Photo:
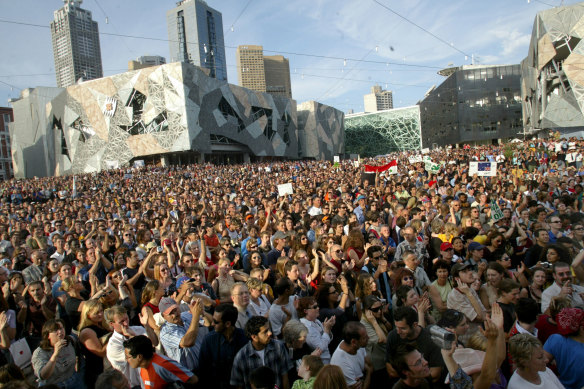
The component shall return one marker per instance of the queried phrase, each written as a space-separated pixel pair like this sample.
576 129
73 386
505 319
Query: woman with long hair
378 328
152 293
406 296
366 286
330 377
162 274
52 271
92 331
225 279
354 249
54 361
73 286
537 285
488 292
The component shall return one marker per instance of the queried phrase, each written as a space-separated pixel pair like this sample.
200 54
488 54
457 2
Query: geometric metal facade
379 133
320 131
552 85
160 111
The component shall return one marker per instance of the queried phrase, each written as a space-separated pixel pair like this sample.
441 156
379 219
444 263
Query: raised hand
3 320
490 331
329 323
369 316
143 319
497 316
317 352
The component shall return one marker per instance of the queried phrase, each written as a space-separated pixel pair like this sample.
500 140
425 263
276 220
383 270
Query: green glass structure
378 133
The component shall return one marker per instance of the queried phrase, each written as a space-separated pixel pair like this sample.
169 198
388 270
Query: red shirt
163 371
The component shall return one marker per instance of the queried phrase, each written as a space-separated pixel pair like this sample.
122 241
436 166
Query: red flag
373 169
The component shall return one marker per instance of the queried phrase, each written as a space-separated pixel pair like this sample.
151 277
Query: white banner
285 189
415 159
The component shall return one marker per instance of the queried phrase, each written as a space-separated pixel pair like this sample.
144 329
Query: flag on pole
391 168
74 193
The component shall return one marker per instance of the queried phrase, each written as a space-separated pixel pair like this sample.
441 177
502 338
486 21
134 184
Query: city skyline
337 51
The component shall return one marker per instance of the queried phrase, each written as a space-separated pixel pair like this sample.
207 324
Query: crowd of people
211 276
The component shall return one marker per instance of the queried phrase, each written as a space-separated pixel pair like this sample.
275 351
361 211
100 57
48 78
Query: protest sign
482 169
285 189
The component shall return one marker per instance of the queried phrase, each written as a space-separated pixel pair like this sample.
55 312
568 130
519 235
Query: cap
457 268
182 280
360 197
166 305
445 246
426 199
475 246
279 235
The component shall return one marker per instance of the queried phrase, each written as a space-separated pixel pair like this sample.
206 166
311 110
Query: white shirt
115 354
554 290
351 365
317 338
548 381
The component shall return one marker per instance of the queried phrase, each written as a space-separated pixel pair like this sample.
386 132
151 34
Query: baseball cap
457 268
445 246
279 235
475 246
166 305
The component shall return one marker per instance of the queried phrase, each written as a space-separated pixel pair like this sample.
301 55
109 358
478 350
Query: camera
441 337
159 249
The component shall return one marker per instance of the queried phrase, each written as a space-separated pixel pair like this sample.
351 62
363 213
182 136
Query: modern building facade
261 73
552 84
475 104
195 36
172 113
6 118
321 132
378 100
76 48
31 138
379 133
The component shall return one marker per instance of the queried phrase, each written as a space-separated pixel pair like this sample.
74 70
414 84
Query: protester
352 248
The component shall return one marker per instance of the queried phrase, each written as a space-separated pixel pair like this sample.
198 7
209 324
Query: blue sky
337 49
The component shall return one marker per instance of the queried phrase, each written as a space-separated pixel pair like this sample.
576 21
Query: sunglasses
376 309
408 278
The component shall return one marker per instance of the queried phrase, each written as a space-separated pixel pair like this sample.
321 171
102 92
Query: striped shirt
247 360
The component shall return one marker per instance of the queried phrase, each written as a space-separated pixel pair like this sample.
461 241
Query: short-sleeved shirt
162 371
351 365
172 334
64 366
568 355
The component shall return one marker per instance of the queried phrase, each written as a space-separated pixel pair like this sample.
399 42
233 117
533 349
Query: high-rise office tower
195 34
263 73
250 67
378 100
75 44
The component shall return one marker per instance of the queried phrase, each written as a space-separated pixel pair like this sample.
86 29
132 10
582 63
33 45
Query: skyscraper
263 73
250 67
195 35
378 100
75 44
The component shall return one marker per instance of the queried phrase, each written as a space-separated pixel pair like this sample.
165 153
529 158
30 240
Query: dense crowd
212 276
